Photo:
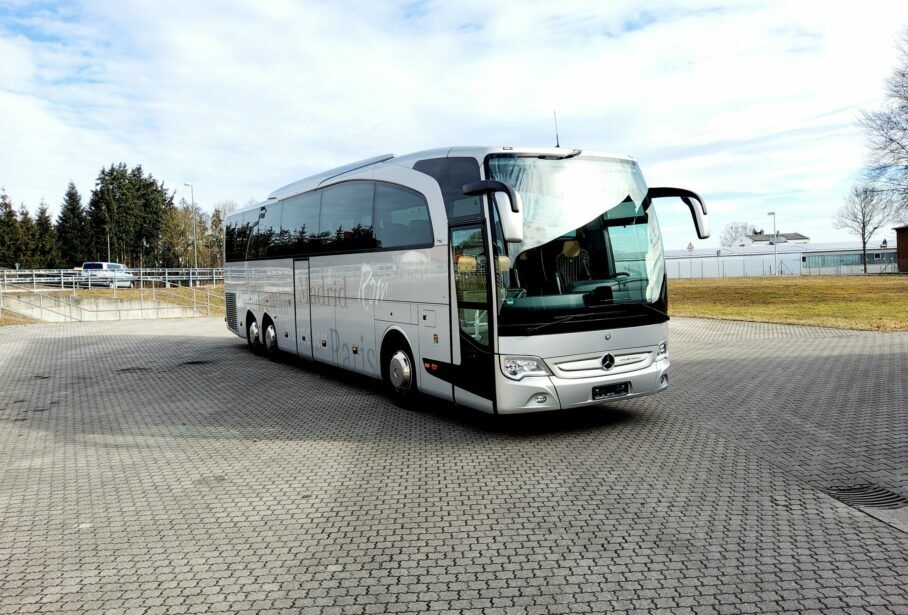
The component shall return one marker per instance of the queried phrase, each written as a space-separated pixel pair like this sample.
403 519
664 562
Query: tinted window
236 234
451 174
92 266
266 232
230 236
346 217
299 224
401 217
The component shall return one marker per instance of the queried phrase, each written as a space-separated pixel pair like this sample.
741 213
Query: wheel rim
254 333
270 338
400 372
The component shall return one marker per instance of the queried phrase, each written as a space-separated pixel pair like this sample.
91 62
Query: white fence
50 294
756 266
75 278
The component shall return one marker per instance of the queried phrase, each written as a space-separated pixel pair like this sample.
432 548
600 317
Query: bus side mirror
689 198
508 203
511 221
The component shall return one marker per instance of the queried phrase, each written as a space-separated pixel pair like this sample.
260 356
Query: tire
269 340
399 372
252 336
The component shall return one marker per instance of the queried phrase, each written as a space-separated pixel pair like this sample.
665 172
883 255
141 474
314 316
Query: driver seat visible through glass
572 264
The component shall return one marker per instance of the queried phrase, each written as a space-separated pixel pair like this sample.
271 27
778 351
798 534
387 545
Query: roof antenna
557 142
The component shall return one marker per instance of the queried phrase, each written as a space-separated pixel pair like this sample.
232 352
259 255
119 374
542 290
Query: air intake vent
230 300
868 496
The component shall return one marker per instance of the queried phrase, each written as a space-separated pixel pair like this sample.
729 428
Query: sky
754 105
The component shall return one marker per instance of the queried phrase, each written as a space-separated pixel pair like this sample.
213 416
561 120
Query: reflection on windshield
560 195
613 256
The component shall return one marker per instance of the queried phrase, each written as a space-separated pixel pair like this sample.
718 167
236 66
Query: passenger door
474 375
303 314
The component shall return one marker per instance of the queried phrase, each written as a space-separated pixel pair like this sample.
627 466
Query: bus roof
478 152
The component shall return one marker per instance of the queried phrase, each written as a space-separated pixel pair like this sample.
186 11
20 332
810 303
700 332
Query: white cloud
754 106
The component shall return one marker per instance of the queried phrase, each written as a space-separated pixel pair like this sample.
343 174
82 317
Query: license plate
611 391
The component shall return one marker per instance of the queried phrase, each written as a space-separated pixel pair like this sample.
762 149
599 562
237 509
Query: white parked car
101 274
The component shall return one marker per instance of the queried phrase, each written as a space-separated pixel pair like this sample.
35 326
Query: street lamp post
775 240
195 241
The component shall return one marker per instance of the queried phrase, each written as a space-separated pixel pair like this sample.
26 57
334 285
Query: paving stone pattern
157 467
831 406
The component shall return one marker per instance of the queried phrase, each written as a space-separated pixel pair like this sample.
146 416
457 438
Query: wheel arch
266 318
251 318
389 336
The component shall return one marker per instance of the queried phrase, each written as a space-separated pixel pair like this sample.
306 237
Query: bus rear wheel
252 335
399 372
269 339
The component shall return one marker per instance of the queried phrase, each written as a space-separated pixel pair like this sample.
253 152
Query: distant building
788 258
759 238
901 247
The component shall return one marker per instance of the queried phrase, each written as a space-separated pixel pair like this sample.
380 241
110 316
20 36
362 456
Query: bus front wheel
399 371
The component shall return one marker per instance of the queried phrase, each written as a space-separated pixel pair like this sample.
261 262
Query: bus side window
230 228
236 234
401 217
345 223
451 174
299 224
266 232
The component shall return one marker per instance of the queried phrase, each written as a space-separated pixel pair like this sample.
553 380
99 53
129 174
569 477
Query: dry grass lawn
11 318
873 302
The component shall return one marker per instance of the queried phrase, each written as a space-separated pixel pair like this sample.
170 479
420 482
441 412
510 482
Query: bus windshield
590 251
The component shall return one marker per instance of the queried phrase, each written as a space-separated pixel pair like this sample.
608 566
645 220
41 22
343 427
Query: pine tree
215 239
152 199
127 208
108 214
71 229
25 255
46 254
176 235
9 232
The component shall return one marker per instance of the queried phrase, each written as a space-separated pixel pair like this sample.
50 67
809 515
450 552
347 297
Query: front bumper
519 396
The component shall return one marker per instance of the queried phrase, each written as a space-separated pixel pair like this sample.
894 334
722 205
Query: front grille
230 301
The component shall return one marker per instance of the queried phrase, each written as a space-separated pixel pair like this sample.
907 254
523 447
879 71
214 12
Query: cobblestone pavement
157 467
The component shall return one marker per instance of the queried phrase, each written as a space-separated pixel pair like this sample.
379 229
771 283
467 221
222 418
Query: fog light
541 399
664 380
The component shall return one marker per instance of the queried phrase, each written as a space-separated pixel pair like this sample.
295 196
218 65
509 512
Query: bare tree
733 231
864 211
887 131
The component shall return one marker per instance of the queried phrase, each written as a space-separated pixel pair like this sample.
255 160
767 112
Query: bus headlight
662 353
517 368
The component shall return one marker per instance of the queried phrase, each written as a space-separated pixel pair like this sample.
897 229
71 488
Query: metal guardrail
27 287
75 278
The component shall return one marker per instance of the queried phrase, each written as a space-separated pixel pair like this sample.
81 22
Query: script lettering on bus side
334 294
372 290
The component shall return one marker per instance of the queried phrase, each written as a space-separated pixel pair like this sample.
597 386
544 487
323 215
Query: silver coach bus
505 279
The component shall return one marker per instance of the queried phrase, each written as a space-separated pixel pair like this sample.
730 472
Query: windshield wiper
600 315
562 319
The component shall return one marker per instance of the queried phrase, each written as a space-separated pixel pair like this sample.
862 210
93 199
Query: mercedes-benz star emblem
608 336
608 362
